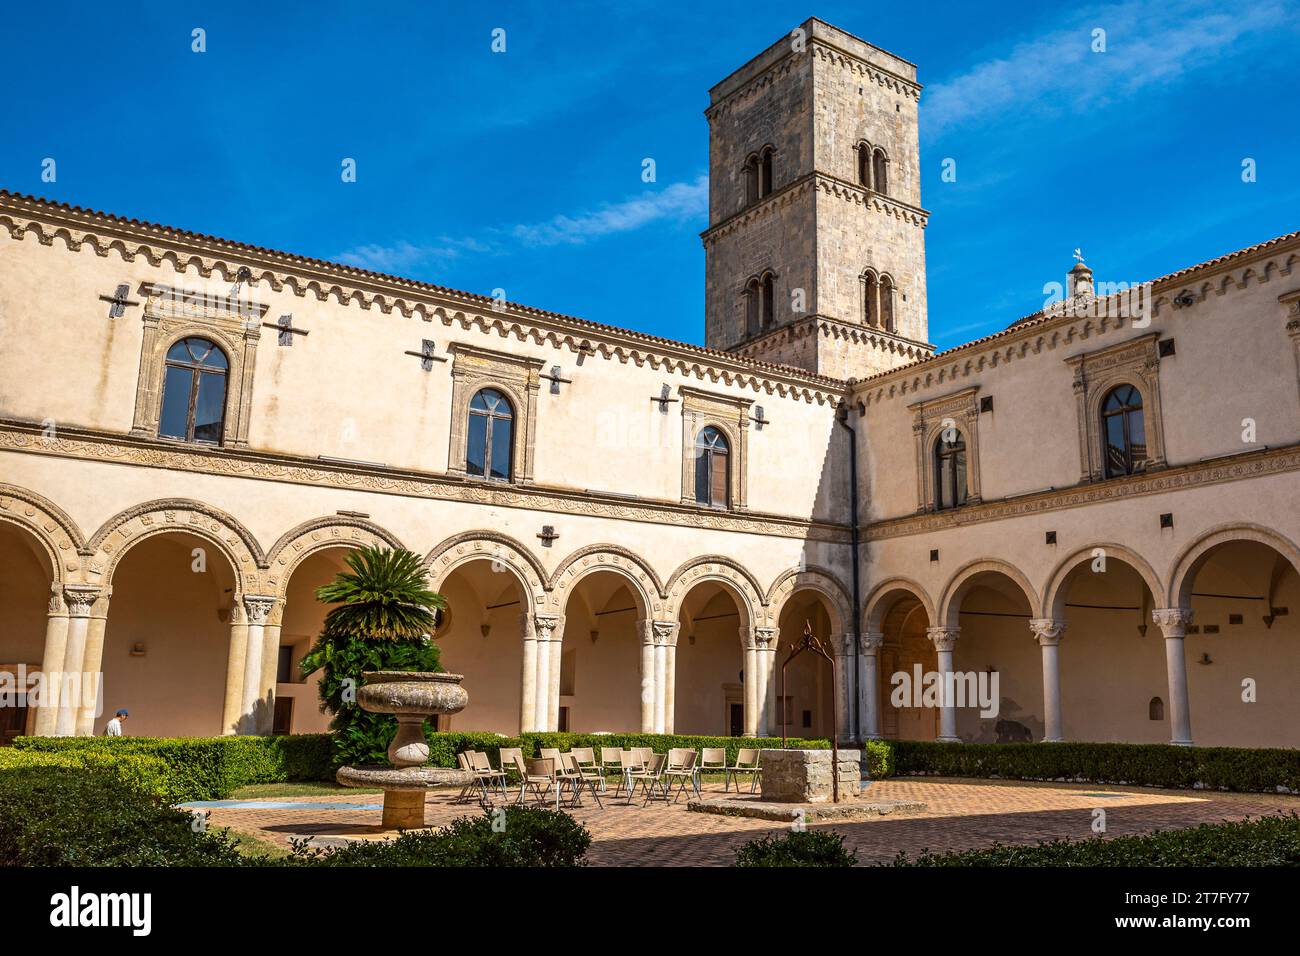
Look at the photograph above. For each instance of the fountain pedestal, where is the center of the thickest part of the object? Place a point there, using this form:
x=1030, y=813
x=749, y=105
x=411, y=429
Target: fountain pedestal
x=413, y=697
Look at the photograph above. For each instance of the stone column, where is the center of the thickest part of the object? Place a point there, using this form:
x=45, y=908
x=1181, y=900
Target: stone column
x=233, y=707
x=944, y=640
x=1173, y=621
x=1048, y=633
x=270, y=665
x=80, y=598
x=665, y=638
x=842, y=646
x=528, y=677
x=92, y=665
x=549, y=629
x=869, y=645
x=52, y=659
x=765, y=641
x=749, y=643
x=649, y=689
x=257, y=608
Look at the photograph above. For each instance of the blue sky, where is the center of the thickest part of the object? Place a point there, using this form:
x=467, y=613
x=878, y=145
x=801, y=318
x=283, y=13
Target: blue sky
x=522, y=170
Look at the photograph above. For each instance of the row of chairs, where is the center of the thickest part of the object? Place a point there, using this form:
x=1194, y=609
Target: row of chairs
x=656, y=774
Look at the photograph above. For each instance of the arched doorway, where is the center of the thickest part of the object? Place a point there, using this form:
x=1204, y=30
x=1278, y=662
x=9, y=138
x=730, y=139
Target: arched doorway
x=167, y=638
x=297, y=698
x=901, y=620
x=806, y=708
x=26, y=578
x=600, y=664
x=480, y=635
x=709, y=689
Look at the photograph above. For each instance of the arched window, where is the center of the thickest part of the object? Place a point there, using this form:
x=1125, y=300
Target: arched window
x=1156, y=709
x=1123, y=432
x=489, y=441
x=751, y=180
x=765, y=172
x=950, y=470
x=769, y=298
x=864, y=164
x=870, y=297
x=712, y=468
x=887, y=304
x=194, y=392
x=880, y=171
x=753, y=306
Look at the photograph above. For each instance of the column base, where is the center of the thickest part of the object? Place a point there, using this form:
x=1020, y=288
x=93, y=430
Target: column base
x=948, y=740
x=1182, y=743
x=1053, y=740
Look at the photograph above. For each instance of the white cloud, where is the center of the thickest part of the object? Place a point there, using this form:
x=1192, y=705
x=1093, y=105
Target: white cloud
x=678, y=201
x=403, y=256
x=1147, y=44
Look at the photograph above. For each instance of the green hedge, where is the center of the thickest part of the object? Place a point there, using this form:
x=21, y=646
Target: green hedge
x=1268, y=841
x=800, y=848
x=198, y=768
x=1254, y=770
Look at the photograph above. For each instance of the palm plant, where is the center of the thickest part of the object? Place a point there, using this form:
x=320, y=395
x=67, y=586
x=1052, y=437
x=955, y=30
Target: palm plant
x=384, y=596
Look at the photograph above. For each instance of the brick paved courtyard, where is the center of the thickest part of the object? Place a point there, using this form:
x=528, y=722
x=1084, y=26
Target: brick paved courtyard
x=960, y=814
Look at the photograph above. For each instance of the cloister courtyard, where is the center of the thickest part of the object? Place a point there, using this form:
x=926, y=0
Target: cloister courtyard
x=959, y=815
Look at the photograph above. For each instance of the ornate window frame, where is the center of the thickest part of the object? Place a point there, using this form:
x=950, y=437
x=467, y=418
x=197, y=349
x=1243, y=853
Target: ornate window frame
x=1135, y=362
x=728, y=414
x=928, y=418
x=1291, y=302
x=515, y=376
x=172, y=314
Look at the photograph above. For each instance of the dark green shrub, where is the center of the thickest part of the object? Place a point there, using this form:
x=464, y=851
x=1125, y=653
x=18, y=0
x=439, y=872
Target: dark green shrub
x=71, y=816
x=1268, y=841
x=525, y=836
x=1258, y=770
x=806, y=848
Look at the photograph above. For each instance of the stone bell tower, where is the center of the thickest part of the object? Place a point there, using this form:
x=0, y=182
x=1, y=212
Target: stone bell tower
x=815, y=251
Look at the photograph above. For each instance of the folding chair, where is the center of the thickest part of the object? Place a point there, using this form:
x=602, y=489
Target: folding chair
x=630, y=762
x=472, y=785
x=746, y=762
x=681, y=770
x=586, y=760
x=589, y=775
x=712, y=760
x=611, y=760
x=651, y=778
x=489, y=778
x=533, y=773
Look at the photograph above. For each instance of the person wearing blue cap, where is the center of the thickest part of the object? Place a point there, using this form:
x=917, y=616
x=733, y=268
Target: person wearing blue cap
x=114, y=727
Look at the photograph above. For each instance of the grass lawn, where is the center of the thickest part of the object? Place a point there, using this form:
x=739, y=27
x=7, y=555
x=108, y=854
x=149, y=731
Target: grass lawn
x=275, y=791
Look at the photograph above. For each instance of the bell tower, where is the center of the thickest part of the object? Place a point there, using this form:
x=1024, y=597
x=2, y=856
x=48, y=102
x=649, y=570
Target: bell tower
x=815, y=251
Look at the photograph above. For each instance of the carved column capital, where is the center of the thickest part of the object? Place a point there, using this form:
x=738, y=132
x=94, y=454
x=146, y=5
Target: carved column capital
x=1173, y=620
x=1047, y=631
x=765, y=638
x=258, y=607
x=943, y=638
x=842, y=645
x=547, y=626
x=870, y=642
x=664, y=633
x=79, y=598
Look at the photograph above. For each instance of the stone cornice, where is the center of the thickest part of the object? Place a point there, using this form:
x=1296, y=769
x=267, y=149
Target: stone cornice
x=879, y=202
x=764, y=208
x=1254, y=464
x=827, y=327
x=347, y=286
x=85, y=444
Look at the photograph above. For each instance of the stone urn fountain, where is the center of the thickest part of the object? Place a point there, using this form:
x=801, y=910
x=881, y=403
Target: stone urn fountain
x=413, y=697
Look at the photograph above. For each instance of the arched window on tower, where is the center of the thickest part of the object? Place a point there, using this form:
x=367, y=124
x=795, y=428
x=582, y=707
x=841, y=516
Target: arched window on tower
x=751, y=175
x=880, y=171
x=864, y=164
x=194, y=392
x=1123, y=430
x=712, y=468
x=769, y=299
x=870, y=299
x=949, y=470
x=489, y=445
x=887, y=304
x=765, y=172
x=753, y=306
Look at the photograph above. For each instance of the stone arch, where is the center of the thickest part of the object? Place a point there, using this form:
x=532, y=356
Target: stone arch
x=468, y=546
x=51, y=526
x=1195, y=554
x=336, y=531
x=950, y=603
x=128, y=528
x=876, y=606
x=642, y=580
x=742, y=584
x=1053, y=605
x=813, y=578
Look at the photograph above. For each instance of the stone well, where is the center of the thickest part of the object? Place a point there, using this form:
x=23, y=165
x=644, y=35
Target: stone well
x=804, y=776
